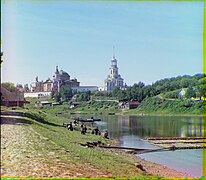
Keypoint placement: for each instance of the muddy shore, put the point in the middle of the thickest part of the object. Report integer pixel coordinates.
(24, 155)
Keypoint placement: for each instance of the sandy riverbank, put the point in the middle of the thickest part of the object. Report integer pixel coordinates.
(23, 154)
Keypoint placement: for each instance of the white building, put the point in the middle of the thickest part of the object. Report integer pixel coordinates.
(80, 89)
(182, 93)
(114, 80)
(101, 88)
(38, 94)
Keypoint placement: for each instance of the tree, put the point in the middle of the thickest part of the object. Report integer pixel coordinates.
(57, 97)
(66, 92)
(190, 93)
(83, 96)
(9, 86)
(199, 92)
(115, 92)
(121, 95)
(185, 82)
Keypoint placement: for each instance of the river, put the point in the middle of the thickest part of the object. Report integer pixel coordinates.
(131, 131)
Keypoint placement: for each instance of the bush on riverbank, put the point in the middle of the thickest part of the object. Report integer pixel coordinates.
(103, 104)
(163, 106)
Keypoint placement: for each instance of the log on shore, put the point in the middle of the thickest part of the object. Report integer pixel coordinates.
(175, 138)
(179, 143)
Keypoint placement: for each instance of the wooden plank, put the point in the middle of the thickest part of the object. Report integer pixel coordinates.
(127, 148)
(175, 138)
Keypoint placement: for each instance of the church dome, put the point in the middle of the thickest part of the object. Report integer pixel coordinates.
(64, 75)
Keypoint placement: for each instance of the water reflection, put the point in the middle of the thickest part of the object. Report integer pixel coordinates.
(154, 126)
(130, 130)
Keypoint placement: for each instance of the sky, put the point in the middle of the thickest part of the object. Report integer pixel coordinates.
(152, 40)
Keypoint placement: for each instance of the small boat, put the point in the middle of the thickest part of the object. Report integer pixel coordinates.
(86, 119)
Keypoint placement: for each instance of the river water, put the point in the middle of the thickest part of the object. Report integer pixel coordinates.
(131, 130)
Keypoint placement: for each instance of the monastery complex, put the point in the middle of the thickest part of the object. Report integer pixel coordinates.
(44, 89)
(60, 77)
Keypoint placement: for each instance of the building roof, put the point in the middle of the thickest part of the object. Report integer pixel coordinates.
(11, 96)
(114, 60)
(64, 75)
(134, 103)
(48, 81)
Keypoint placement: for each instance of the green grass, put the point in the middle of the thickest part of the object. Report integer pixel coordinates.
(51, 127)
(156, 105)
(95, 109)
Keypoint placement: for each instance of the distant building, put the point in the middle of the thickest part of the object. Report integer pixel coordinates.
(37, 86)
(10, 99)
(61, 78)
(133, 104)
(20, 88)
(100, 88)
(42, 103)
(42, 94)
(74, 104)
(114, 79)
(81, 89)
(48, 85)
(26, 88)
(44, 89)
(182, 93)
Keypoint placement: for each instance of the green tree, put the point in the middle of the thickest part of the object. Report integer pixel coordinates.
(83, 96)
(115, 92)
(199, 92)
(122, 96)
(66, 92)
(190, 93)
(185, 82)
(56, 96)
(9, 86)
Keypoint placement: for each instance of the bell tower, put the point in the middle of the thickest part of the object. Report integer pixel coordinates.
(114, 80)
(57, 77)
(113, 68)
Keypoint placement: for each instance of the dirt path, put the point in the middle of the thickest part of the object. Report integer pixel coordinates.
(25, 153)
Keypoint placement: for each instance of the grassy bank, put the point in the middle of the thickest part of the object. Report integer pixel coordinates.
(159, 106)
(94, 108)
(37, 145)
(111, 164)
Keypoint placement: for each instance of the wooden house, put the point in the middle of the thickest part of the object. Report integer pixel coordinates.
(133, 104)
(10, 99)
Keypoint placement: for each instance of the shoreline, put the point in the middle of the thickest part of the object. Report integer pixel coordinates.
(14, 161)
(153, 168)
(177, 115)
(121, 112)
(127, 113)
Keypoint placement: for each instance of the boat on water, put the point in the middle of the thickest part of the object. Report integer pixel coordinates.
(92, 119)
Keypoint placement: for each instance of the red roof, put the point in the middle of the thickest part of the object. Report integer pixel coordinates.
(134, 103)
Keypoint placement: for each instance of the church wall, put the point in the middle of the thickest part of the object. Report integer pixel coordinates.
(84, 89)
(37, 94)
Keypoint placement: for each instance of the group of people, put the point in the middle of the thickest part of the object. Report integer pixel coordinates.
(95, 131)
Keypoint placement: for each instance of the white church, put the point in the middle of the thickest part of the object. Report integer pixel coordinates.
(114, 80)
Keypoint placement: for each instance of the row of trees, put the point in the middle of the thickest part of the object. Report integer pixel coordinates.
(9, 86)
(66, 94)
(169, 87)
